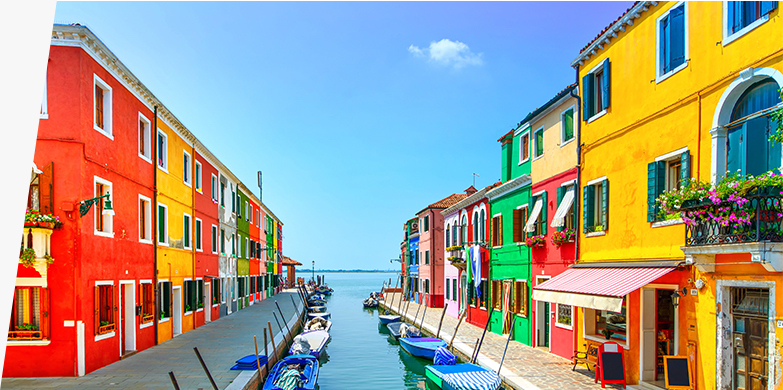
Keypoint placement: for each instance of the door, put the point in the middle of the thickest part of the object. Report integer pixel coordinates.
(542, 324)
(128, 318)
(546, 316)
(648, 335)
(123, 305)
(750, 353)
(176, 316)
(207, 302)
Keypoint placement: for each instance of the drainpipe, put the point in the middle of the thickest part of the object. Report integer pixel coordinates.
(577, 196)
(154, 215)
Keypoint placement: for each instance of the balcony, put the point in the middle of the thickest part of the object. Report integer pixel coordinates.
(456, 256)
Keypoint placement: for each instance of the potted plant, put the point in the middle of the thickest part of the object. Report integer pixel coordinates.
(33, 218)
(607, 333)
(562, 237)
(49, 259)
(536, 241)
(27, 258)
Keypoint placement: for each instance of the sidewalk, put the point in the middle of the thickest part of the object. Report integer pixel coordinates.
(524, 368)
(220, 343)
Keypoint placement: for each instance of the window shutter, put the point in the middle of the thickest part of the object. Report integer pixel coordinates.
(676, 37)
(605, 88)
(99, 106)
(560, 191)
(651, 192)
(735, 15)
(46, 188)
(170, 302)
(685, 168)
(768, 6)
(113, 301)
(605, 205)
(665, 43)
(500, 230)
(97, 308)
(589, 216)
(544, 207)
(524, 298)
(587, 93)
(516, 229)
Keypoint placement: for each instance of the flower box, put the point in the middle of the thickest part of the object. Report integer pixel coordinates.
(105, 329)
(147, 318)
(25, 335)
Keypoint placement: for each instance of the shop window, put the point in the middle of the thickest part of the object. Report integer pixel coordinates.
(564, 315)
(520, 297)
(164, 299)
(667, 173)
(105, 309)
(596, 207)
(29, 314)
(607, 325)
(145, 146)
(147, 303)
(497, 230)
(102, 104)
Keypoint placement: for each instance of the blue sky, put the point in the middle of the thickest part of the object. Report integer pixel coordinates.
(359, 114)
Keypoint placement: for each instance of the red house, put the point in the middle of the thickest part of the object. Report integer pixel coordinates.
(206, 233)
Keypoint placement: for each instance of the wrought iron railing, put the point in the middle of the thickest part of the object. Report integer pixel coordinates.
(764, 208)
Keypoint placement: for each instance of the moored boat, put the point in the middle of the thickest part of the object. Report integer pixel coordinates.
(317, 340)
(302, 369)
(388, 318)
(325, 316)
(423, 347)
(318, 324)
(317, 309)
(395, 329)
(464, 376)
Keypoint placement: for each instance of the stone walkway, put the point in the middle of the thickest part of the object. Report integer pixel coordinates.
(220, 343)
(524, 367)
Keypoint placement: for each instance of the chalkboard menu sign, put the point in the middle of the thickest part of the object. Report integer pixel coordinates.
(677, 372)
(611, 364)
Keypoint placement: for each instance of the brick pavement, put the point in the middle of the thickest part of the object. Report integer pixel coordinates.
(524, 367)
(220, 343)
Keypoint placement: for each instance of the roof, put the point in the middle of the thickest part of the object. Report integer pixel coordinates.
(289, 261)
(445, 202)
(472, 198)
(567, 90)
(612, 30)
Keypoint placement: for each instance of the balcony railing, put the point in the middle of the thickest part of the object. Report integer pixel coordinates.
(25, 335)
(764, 209)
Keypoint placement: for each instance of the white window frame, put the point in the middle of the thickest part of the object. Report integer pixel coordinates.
(197, 173)
(44, 105)
(250, 215)
(198, 235)
(203, 289)
(729, 38)
(557, 318)
(186, 313)
(663, 76)
(215, 238)
(529, 145)
(107, 101)
(165, 224)
(141, 290)
(215, 188)
(109, 223)
(147, 217)
(165, 167)
(147, 138)
(186, 171)
(246, 213)
(574, 120)
(246, 254)
(592, 71)
(187, 226)
(116, 319)
(541, 129)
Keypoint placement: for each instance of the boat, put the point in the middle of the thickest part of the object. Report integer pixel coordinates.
(322, 324)
(309, 372)
(395, 331)
(462, 376)
(324, 290)
(423, 347)
(388, 318)
(316, 301)
(317, 309)
(370, 303)
(325, 316)
(317, 339)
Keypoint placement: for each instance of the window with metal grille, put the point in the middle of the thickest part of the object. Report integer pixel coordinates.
(750, 301)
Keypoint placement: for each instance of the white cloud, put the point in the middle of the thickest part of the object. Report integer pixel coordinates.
(449, 53)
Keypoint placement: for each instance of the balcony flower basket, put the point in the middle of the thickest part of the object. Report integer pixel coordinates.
(458, 262)
(35, 219)
(562, 237)
(25, 332)
(146, 318)
(536, 241)
(27, 257)
(454, 248)
(105, 327)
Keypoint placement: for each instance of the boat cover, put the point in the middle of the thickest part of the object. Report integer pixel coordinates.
(444, 358)
(471, 380)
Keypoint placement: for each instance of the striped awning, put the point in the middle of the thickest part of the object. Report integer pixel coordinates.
(562, 210)
(530, 226)
(597, 288)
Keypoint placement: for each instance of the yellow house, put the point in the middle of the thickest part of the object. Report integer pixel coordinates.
(177, 287)
(673, 92)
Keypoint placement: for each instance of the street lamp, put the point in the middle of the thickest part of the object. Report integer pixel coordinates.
(313, 270)
(677, 295)
(87, 204)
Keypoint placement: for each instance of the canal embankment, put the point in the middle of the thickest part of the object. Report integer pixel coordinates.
(524, 367)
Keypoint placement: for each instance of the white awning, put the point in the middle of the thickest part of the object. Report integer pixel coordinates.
(529, 226)
(562, 210)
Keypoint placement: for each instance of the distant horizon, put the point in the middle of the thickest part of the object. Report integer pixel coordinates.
(305, 270)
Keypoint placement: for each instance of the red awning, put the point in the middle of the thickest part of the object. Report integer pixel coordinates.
(597, 288)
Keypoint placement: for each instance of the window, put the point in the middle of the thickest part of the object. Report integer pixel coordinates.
(464, 229)
(749, 149)
(190, 302)
(740, 17)
(197, 176)
(214, 239)
(29, 314)
(222, 194)
(520, 297)
(426, 257)
(103, 217)
(223, 242)
(536, 223)
(426, 223)
(198, 235)
(564, 315)
(454, 289)
(596, 87)
(496, 294)
(538, 143)
(147, 303)
(145, 219)
(246, 249)
(672, 41)
(250, 214)
(105, 308)
(145, 147)
(426, 286)
(524, 147)
(246, 211)
(483, 296)
(666, 173)
(186, 231)
(599, 323)
(566, 208)
(448, 235)
(164, 300)
(472, 294)
(214, 188)
(216, 294)
(448, 287)
(163, 224)
(596, 206)
(44, 106)
(102, 104)
(483, 229)
(497, 230)
(163, 152)
(566, 126)
(520, 218)
(186, 167)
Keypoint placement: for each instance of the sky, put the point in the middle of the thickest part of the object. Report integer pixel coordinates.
(359, 114)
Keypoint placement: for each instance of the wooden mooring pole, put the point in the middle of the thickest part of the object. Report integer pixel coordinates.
(258, 362)
(173, 380)
(204, 366)
(462, 317)
(268, 358)
(510, 332)
(272, 338)
(283, 318)
(489, 318)
(285, 339)
(446, 307)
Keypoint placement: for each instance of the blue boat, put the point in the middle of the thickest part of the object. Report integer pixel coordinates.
(394, 329)
(423, 347)
(388, 319)
(462, 377)
(309, 374)
(317, 340)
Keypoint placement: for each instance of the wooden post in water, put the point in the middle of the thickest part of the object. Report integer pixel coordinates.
(204, 366)
(510, 332)
(285, 339)
(416, 317)
(407, 305)
(258, 362)
(462, 317)
(272, 337)
(446, 307)
(423, 316)
(489, 318)
(173, 380)
(475, 352)
(391, 301)
(268, 358)
(283, 318)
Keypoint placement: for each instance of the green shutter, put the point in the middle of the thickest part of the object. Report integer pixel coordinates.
(685, 168)
(560, 191)
(606, 87)
(187, 231)
(589, 201)
(568, 125)
(543, 213)
(587, 94)
(605, 204)
(660, 183)
(651, 192)
(161, 224)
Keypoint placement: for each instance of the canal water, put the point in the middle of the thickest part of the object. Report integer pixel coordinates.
(362, 355)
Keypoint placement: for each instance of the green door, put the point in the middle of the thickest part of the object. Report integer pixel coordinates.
(546, 314)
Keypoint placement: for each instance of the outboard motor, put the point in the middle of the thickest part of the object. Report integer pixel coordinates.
(300, 346)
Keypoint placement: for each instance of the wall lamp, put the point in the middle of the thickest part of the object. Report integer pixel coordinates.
(85, 205)
(677, 295)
